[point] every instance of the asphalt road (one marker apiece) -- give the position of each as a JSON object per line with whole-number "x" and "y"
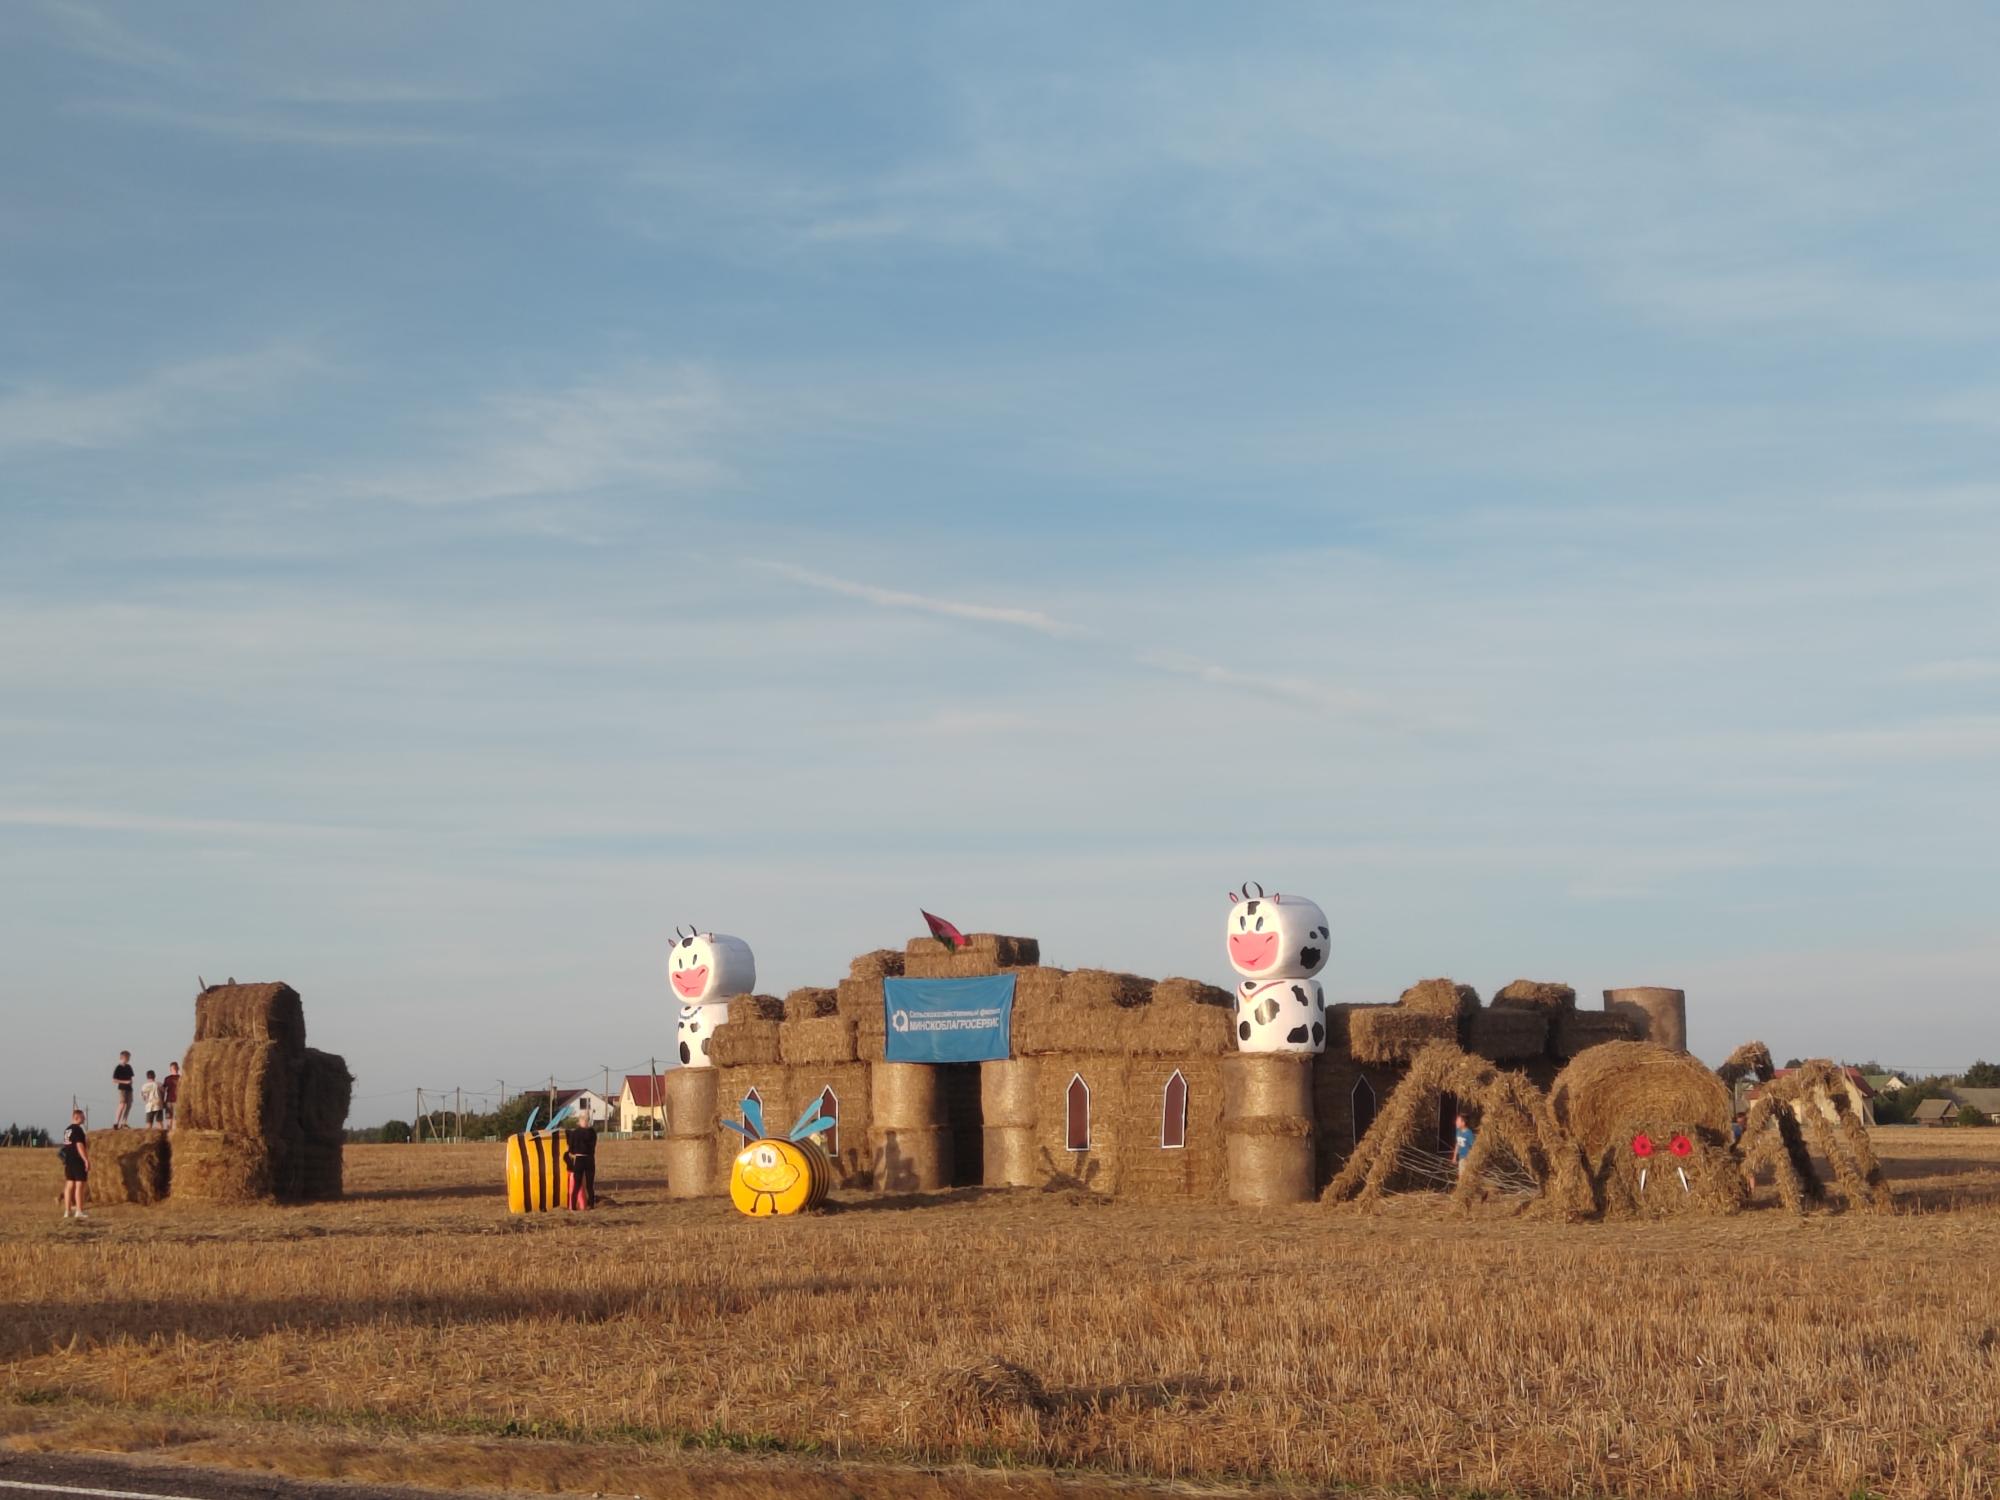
{"x": 46, "y": 1476}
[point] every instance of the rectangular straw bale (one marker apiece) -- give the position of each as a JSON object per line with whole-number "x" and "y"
{"x": 249, "y": 1087}
{"x": 777, "y": 1089}
{"x": 1170, "y": 1028}
{"x": 811, "y": 1003}
{"x": 326, "y": 1091}
{"x": 251, "y": 1013}
{"x": 1338, "y": 1041}
{"x": 927, "y": 947}
{"x": 1095, "y": 1168}
{"x": 1346, "y": 1093}
{"x": 1104, "y": 987}
{"x": 756, "y": 1008}
{"x": 819, "y": 1041}
{"x": 965, "y": 965}
{"x": 1392, "y": 1033}
{"x": 1008, "y": 952}
{"x": 288, "y": 1164}
{"x": 1508, "y": 1033}
{"x": 220, "y": 1166}
{"x": 881, "y": 963}
{"x": 129, "y": 1166}
{"x": 1537, "y": 994}
{"x": 1576, "y": 1030}
{"x": 859, "y": 997}
{"x": 1440, "y": 997}
{"x": 738, "y": 1044}
{"x": 1101, "y": 1030}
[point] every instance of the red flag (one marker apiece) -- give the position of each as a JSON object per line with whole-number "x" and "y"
{"x": 944, "y": 932}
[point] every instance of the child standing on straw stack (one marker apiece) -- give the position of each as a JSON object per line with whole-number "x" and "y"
{"x": 170, "y": 1094}
{"x": 122, "y": 1076}
{"x": 76, "y": 1165}
{"x": 149, "y": 1096}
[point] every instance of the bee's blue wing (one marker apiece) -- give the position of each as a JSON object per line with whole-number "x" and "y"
{"x": 753, "y": 1114}
{"x": 809, "y": 1123}
{"x": 562, "y": 1114}
{"x": 742, "y": 1130}
{"x": 529, "y": 1128}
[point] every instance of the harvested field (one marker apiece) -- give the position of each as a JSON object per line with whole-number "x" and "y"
{"x": 1438, "y": 1352}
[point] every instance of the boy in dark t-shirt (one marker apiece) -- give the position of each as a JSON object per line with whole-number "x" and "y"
{"x": 170, "y": 1093}
{"x": 122, "y": 1076}
{"x": 76, "y": 1165}
{"x": 581, "y": 1139}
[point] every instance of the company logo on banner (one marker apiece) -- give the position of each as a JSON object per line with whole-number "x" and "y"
{"x": 948, "y": 1020}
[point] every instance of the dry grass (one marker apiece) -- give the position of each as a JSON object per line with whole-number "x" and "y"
{"x": 1761, "y": 1355}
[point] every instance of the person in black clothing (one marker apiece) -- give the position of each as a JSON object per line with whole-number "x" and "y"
{"x": 76, "y": 1165}
{"x": 581, "y": 1140}
{"x": 122, "y": 1076}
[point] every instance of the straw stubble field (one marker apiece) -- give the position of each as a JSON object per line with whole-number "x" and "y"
{"x": 415, "y": 1332}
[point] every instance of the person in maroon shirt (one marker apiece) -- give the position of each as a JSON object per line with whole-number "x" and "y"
{"x": 170, "y": 1092}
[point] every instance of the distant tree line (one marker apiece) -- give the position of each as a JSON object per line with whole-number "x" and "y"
{"x": 24, "y": 1135}
{"x": 1900, "y": 1107}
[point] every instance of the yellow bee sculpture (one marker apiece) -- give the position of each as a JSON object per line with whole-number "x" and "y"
{"x": 779, "y": 1176}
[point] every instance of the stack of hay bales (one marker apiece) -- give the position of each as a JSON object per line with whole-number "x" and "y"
{"x": 1431, "y": 1010}
{"x": 1623, "y": 1093}
{"x": 260, "y": 1114}
{"x": 129, "y": 1166}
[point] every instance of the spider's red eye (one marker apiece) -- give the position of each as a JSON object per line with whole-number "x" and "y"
{"x": 1680, "y": 1145}
{"x": 1642, "y": 1144}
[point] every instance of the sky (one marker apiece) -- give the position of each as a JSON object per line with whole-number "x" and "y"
{"x": 483, "y": 484}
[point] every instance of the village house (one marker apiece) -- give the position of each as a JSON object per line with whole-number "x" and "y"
{"x": 1935, "y": 1112}
{"x": 642, "y": 1104}
{"x": 1986, "y": 1101}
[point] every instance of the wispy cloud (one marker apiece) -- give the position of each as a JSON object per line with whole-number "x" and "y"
{"x": 101, "y": 820}
{"x": 1964, "y": 669}
{"x": 648, "y": 426}
{"x": 265, "y": 127}
{"x": 196, "y": 392}
{"x": 958, "y": 609}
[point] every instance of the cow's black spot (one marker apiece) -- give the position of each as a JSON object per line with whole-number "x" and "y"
{"x": 694, "y": 1026}
{"x": 1251, "y": 908}
{"x": 1298, "y": 994}
{"x": 1319, "y": 998}
{"x": 704, "y": 1046}
{"x": 686, "y": 1056}
{"x": 1296, "y": 1034}
{"x": 1309, "y": 958}
{"x": 1319, "y": 1033}
{"x": 1266, "y": 1011}
{"x": 1242, "y": 1031}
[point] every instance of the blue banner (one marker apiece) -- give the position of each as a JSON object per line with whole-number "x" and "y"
{"x": 948, "y": 1020}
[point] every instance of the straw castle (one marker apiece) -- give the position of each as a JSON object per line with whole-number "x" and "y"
{"x": 1117, "y": 1084}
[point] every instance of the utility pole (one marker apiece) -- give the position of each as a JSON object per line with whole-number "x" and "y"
{"x": 417, "y": 1120}
{"x": 607, "y": 1087}
{"x": 458, "y": 1115}
{"x": 653, "y": 1072}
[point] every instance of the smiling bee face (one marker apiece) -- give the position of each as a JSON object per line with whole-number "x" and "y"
{"x": 708, "y": 966}
{"x": 777, "y": 1177}
{"x": 1276, "y": 936}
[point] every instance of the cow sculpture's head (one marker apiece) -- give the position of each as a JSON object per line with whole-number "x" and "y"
{"x": 1275, "y": 936}
{"x": 704, "y": 967}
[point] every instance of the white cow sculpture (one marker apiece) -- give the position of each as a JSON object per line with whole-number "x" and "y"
{"x": 705, "y": 969}
{"x": 1277, "y": 943}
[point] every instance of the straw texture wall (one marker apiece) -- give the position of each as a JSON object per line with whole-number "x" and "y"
{"x": 223, "y": 1167}
{"x": 321, "y": 1173}
{"x": 961, "y": 965}
{"x": 1576, "y": 1031}
{"x": 1268, "y": 1124}
{"x": 1507, "y": 1033}
{"x": 692, "y": 1131}
{"x": 1007, "y": 1119}
{"x": 849, "y": 1149}
{"x": 129, "y": 1166}
{"x": 875, "y": 966}
{"x": 326, "y": 1092}
{"x": 251, "y": 1012}
{"x": 1103, "y": 987}
{"x": 912, "y": 1160}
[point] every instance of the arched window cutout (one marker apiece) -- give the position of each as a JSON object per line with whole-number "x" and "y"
{"x": 829, "y": 1105}
{"x": 1363, "y": 1103}
{"x": 1078, "y": 1135}
{"x": 753, "y": 1094}
{"x": 1173, "y": 1113}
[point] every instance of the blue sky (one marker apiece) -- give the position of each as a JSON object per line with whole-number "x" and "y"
{"x": 481, "y": 485}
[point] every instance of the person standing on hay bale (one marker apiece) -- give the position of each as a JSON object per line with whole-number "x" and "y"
{"x": 122, "y": 1076}
{"x": 580, "y": 1155}
{"x": 75, "y": 1152}
{"x": 149, "y": 1097}
{"x": 1462, "y": 1138}
{"x": 170, "y": 1094}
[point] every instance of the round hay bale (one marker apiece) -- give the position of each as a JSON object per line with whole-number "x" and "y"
{"x": 910, "y": 1160}
{"x": 1260, "y": 1084}
{"x": 1007, "y": 1091}
{"x": 252, "y": 1013}
{"x": 904, "y": 1096}
{"x": 1657, "y": 1014}
{"x": 1611, "y": 1089}
{"x": 691, "y": 1168}
{"x": 246, "y": 1087}
{"x": 1269, "y": 1161}
{"x": 1010, "y": 1157}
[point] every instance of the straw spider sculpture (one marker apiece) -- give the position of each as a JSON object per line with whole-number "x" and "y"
{"x": 1629, "y": 1129}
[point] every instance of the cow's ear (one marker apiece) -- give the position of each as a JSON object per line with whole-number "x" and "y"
{"x": 1234, "y": 897}
{"x": 1276, "y": 898}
